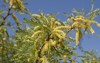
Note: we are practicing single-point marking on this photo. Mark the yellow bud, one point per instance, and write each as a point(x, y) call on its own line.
point(46, 47)
point(58, 45)
point(14, 7)
point(15, 45)
point(52, 43)
point(59, 36)
point(4, 38)
point(64, 56)
point(28, 59)
point(94, 59)
point(53, 19)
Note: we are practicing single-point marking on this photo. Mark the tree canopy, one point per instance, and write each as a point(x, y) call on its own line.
point(43, 38)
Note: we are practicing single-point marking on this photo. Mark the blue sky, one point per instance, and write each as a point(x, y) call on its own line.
point(88, 42)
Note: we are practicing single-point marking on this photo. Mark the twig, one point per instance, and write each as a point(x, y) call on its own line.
point(69, 30)
point(8, 13)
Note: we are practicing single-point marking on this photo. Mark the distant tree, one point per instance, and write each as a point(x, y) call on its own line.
point(43, 38)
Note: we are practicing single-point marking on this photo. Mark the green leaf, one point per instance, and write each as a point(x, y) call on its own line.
point(91, 29)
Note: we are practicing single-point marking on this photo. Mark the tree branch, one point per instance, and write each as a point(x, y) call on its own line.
point(8, 13)
point(69, 30)
point(39, 53)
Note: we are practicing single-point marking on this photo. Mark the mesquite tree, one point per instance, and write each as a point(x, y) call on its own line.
point(42, 38)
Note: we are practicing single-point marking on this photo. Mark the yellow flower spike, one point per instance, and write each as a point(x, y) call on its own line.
point(60, 32)
point(57, 31)
point(36, 15)
point(78, 36)
point(12, 4)
point(17, 4)
point(36, 28)
point(20, 4)
point(62, 27)
point(36, 33)
point(16, 19)
point(45, 26)
point(78, 18)
point(59, 36)
point(77, 40)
